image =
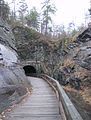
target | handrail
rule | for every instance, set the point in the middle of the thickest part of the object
(70, 110)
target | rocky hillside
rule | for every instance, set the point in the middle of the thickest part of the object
(72, 62)
(13, 82)
(34, 46)
(76, 70)
(77, 64)
(68, 63)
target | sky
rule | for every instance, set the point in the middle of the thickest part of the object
(67, 10)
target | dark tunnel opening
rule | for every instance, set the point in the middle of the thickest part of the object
(30, 70)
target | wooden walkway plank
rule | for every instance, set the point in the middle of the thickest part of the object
(42, 104)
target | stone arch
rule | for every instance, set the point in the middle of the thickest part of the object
(30, 70)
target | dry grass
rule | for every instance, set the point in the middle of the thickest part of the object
(81, 100)
(86, 95)
(81, 73)
(68, 62)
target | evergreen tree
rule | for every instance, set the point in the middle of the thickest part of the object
(48, 9)
(33, 19)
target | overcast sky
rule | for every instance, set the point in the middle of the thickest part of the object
(67, 10)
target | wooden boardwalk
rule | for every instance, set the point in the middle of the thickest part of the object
(42, 104)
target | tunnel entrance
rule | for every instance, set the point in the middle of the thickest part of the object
(30, 70)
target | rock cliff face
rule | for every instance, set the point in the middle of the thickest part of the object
(6, 36)
(71, 65)
(29, 43)
(13, 82)
(76, 71)
(77, 65)
(34, 46)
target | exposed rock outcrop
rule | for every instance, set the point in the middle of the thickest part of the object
(13, 82)
(34, 46)
(77, 64)
(77, 71)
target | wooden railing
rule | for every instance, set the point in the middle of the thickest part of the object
(69, 111)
